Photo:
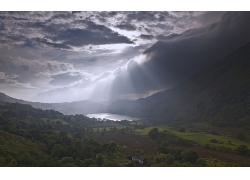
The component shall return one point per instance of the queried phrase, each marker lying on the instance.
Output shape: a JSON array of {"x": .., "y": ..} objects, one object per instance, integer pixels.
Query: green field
[
  {"x": 200, "y": 138},
  {"x": 203, "y": 139}
]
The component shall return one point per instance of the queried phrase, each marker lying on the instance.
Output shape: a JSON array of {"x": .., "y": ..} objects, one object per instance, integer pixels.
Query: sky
[{"x": 52, "y": 56}]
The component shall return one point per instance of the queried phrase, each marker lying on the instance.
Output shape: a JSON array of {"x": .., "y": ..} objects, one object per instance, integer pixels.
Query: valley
[{"x": 183, "y": 102}]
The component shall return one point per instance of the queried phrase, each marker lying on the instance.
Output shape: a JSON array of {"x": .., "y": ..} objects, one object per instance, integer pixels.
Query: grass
[
  {"x": 17, "y": 144},
  {"x": 204, "y": 139},
  {"x": 200, "y": 138}
]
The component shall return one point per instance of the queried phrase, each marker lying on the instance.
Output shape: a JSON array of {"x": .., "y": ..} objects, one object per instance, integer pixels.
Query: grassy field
[
  {"x": 200, "y": 138},
  {"x": 203, "y": 139}
]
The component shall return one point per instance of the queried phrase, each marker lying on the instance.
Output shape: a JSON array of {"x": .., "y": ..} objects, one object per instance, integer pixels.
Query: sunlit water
[{"x": 113, "y": 117}]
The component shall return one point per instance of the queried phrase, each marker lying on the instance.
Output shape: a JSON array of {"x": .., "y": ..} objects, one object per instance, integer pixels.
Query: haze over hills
[
  {"x": 68, "y": 108},
  {"x": 219, "y": 95}
]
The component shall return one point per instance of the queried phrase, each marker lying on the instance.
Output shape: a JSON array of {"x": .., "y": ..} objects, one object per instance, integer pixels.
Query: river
[{"x": 113, "y": 117}]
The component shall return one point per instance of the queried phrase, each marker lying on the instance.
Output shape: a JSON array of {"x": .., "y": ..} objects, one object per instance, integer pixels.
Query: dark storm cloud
[
  {"x": 196, "y": 49},
  {"x": 64, "y": 15},
  {"x": 1, "y": 26},
  {"x": 64, "y": 37},
  {"x": 108, "y": 14},
  {"x": 75, "y": 12},
  {"x": 9, "y": 40},
  {"x": 176, "y": 59},
  {"x": 146, "y": 36},
  {"x": 143, "y": 16},
  {"x": 103, "y": 16},
  {"x": 27, "y": 15},
  {"x": 45, "y": 42},
  {"x": 126, "y": 26},
  {"x": 62, "y": 30}
]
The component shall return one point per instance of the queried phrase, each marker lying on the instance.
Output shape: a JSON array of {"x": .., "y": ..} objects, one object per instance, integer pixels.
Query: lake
[{"x": 113, "y": 117}]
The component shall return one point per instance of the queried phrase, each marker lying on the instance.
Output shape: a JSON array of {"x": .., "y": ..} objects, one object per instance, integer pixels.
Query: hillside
[
  {"x": 218, "y": 95},
  {"x": 69, "y": 108}
]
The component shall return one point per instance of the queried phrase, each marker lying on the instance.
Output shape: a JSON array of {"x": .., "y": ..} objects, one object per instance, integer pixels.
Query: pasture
[{"x": 200, "y": 137}]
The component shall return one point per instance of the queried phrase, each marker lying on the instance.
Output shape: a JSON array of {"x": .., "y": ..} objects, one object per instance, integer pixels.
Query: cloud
[
  {"x": 161, "y": 37},
  {"x": 126, "y": 26},
  {"x": 66, "y": 79},
  {"x": 175, "y": 59},
  {"x": 63, "y": 37},
  {"x": 146, "y": 36},
  {"x": 80, "y": 37},
  {"x": 143, "y": 16},
  {"x": 10, "y": 80},
  {"x": 53, "y": 50},
  {"x": 62, "y": 30},
  {"x": 40, "y": 74}
]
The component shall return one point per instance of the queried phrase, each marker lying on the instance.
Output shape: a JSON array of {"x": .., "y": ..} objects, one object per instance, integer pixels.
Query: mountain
[
  {"x": 68, "y": 108},
  {"x": 219, "y": 95}
]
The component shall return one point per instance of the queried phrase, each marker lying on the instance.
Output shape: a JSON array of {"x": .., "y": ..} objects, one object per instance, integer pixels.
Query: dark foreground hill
[{"x": 218, "y": 95}]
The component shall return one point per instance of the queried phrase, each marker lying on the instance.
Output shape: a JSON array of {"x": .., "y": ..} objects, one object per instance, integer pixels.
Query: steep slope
[
  {"x": 219, "y": 94},
  {"x": 77, "y": 107}
]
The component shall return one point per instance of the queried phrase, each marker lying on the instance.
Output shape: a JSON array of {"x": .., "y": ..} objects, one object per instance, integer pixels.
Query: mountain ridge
[
  {"x": 216, "y": 94},
  {"x": 68, "y": 108}
]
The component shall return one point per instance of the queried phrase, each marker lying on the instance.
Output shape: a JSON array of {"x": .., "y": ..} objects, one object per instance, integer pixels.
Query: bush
[
  {"x": 242, "y": 150},
  {"x": 241, "y": 136},
  {"x": 189, "y": 156}
]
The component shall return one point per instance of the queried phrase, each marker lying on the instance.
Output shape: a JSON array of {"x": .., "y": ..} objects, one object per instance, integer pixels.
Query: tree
[
  {"x": 104, "y": 130},
  {"x": 67, "y": 162},
  {"x": 189, "y": 156},
  {"x": 242, "y": 150},
  {"x": 153, "y": 133},
  {"x": 182, "y": 129},
  {"x": 99, "y": 160},
  {"x": 87, "y": 162},
  {"x": 26, "y": 160},
  {"x": 58, "y": 151},
  {"x": 200, "y": 163},
  {"x": 110, "y": 164},
  {"x": 111, "y": 148},
  {"x": 241, "y": 136},
  {"x": 163, "y": 148},
  {"x": 160, "y": 158}
]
